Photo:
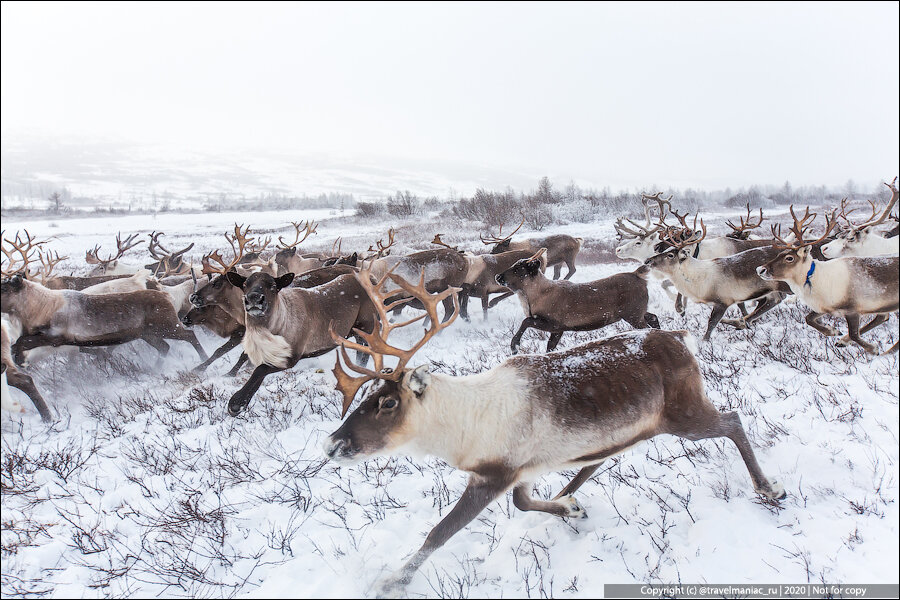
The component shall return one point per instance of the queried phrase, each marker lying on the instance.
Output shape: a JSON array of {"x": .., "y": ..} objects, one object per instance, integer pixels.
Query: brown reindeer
[
  {"x": 560, "y": 306},
  {"x": 742, "y": 231},
  {"x": 561, "y": 248},
  {"x": 69, "y": 318},
  {"x": 528, "y": 416},
  {"x": 285, "y": 325},
  {"x": 847, "y": 287}
]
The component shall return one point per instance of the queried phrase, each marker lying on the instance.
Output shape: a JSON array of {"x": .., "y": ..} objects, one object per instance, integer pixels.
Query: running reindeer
[
  {"x": 845, "y": 287},
  {"x": 561, "y": 248},
  {"x": 528, "y": 416}
]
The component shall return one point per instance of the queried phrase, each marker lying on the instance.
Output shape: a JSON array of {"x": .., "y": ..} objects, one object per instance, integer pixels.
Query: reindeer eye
[
  {"x": 388, "y": 403},
  {"x": 788, "y": 259},
  {"x": 637, "y": 243},
  {"x": 670, "y": 255}
]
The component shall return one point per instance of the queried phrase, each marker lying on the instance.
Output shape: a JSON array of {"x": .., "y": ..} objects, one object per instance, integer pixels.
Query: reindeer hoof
[
  {"x": 736, "y": 323},
  {"x": 576, "y": 511},
  {"x": 392, "y": 587},
  {"x": 842, "y": 343},
  {"x": 775, "y": 491}
]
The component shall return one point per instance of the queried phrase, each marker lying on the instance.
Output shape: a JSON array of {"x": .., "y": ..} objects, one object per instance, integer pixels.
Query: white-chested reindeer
[
  {"x": 861, "y": 239},
  {"x": 719, "y": 282},
  {"x": 529, "y": 415},
  {"x": 846, "y": 287}
]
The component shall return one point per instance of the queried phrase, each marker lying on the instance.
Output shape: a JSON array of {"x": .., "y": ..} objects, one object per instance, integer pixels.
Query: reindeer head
[
  {"x": 13, "y": 292},
  {"x": 501, "y": 244},
  {"x": 857, "y": 236},
  {"x": 385, "y": 419},
  {"x": 523, "y": 271},
  {"x": 638, "y": 241},
  {"x": 795, "y": 259},
  {"x": 676, "y": 245},
  {"x": 260, "y": 290}
]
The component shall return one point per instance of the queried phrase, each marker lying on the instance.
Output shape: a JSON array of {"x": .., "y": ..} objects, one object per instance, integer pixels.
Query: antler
[
  {"x": 800, "y": 227},
  {"x": 687, "y": 235},
  {"x": 378, "y": 345},
  {"x": 437, "y": 240},
  {"x": 746, "y": 226},
  {"x": 92, "y": 257},
  {"x": 238, "y": 241},
  {"x": 154, "y": 245},
  {"x": 336, "y": 246},
  {"x": 307, "y": 227},
  {"x": 259, "y": 247},
  {"x": 496, "y": 239},
  {"x": 381, "y": 248},
  {"x": 24, "y": 247},
  {"x": 48, "y": 263},
  {"x": 890, "y": 206}
]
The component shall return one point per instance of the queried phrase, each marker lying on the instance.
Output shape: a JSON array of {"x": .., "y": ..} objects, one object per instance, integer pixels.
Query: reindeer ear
[
  {"x": 802, "y": 252},
  {"x": 235, "y": 279},
  {"x": 284, "y": 281},
  {"x": 418, "y": 380}
]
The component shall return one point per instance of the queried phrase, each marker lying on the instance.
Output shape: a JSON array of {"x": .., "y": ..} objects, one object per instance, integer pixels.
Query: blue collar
[{"x": 812, "y": 269}]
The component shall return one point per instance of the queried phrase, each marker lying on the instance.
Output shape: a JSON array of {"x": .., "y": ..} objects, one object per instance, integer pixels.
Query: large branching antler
[
  {"x": 381, "y": 249},
  {"x": 377, "y": 345},
  {"x": 648, "y": 228},
  {"x": 25, "y": 247},
  {"x": 307, "y": 228},
  {"x": 687, "y": 235},
  {"x": 48, "y": 263},
  {"x": 497, "y": 239},
  {"x": 742, "y": 231},
  {"x": 238, "y": 241},
  {"x": 167, "y": 260},
  {"x": 799, "y": 229},
  {"x": 92, "y": 257},
  {"x": 439, "y": 242}
]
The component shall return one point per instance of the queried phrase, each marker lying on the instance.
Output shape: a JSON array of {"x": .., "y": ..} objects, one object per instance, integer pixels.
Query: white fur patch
[{"x": 264, "y": 347}]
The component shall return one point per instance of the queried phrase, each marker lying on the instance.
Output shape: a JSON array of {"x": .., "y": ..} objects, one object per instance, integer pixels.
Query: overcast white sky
[{"x": 687, "y": 94}]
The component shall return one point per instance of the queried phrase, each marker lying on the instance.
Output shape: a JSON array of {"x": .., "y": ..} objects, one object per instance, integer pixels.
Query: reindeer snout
[
  {"x": 762, "y": 272},
  {"x": 499, "y": 278},
  {"x": 332, "y": 447},
  {"x": 196, "y": 300}
]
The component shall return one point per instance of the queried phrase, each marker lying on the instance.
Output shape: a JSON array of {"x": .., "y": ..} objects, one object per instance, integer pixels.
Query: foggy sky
[{"x": 680, "y": 94}]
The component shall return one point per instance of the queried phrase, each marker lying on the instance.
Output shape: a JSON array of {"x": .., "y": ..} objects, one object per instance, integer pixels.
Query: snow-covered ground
[{"x": 146, "y": 487}]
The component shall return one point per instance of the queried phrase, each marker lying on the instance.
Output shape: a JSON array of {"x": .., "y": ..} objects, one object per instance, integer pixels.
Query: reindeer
[
  {"x": 845, "y": 287},
  {"x": 481, "y": 277},
  {"x": 167, "y": 262},
  {"x": 18, "y": 379},
  {"x": 111, "y": 265},
  {"x": 528, "y": 416},
  {"x": 742, "y": 231},
  {"x": 561, "y": 248},
  {"x": 285, "y": 325},
  {"x": 222, "y": 324},
  {"x": 860, "y": 239},
  {"x": 69, "y": 318},
  {"x": 720, "y": 282},
  {"x": 287, "y": 257},
  {"x": 560, "y": 306}
]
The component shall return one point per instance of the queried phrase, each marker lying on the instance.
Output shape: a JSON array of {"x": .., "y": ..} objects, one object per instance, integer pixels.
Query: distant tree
[{"x": 56, "y": 202}]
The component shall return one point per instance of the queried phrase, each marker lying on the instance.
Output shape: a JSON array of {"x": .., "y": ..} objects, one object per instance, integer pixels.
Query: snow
[{"x": 145, "y": 486}]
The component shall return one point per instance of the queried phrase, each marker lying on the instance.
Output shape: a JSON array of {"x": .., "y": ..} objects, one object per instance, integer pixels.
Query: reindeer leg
[
  {"x": 536, "y": 322},
  {"x": 484, "y": 304},
  {"x": 240, "y": 362},
  {"x": 499, "y": 298},
  {"x": 680, "y": 304},
  {"x": 478, "y": 494},
  {"x": 557, "y": 269},
  {"x": 853, "y": 333},
  {"x": 21, "y": 380},
  {"x": 463, "y": 307},
  {"x": 875, "y": 322},
  {"x": 186, "y": 335},
  {"x": 161, "y": 346},
  {"x": 221, "y": 351},
  {"x": 568, "y": 506},
  {"x": 242, "y": 397},
  {"x": 583, "y": 475},
  {"x": 555, "y": 336},
  {"x": 713, "y": 424},
  {"x": 571, "y": 267},
  {"x": 362, "y": 359},
  {"x": 715, "y": 316},
  {"x": 812, "y": 319}
]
